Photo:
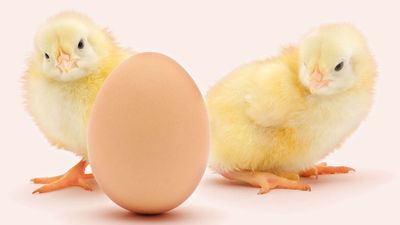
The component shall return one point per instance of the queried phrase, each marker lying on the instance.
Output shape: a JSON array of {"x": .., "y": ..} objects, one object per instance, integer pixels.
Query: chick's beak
[
  {"x": 64, "y": 61},
  {"x": 317, "y": 79}
]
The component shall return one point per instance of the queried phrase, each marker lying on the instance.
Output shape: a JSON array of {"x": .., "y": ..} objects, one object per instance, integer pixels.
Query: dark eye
[
  {"x": 81, "y": 44},
  {"x": 46, "y": 56},
  {"x": 339, "y": 66}
]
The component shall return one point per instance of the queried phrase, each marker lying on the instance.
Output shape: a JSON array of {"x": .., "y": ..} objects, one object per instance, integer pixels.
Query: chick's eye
[
  {"x": 81, "y": 44},
  {"x": 339, "y": 66},
  {"x": 46, "y": 56}
]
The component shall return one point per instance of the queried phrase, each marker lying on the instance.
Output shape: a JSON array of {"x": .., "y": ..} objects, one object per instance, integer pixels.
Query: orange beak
[
  {"x": 317, "y": 79},
  {"x": 64, "y": 61}
]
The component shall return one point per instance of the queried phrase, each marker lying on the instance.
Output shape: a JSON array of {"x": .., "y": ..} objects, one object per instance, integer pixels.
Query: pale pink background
[{"x": 209, "y": 39}]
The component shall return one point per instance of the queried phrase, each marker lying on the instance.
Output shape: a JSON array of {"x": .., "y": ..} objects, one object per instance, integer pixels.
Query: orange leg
[
  {"x": 266, "y": 181},
  {"x": 323, "y": 168},
  {"x": 74, "y": 177}
]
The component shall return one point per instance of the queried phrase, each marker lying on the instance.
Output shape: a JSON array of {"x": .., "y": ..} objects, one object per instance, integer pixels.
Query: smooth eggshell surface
[{"x": 148, "y": 134}]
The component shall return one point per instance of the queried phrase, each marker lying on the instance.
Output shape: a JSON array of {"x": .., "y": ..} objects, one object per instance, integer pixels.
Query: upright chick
[
  {"x": 72, "y": 58},
  {"x": 272, "y": 120}
]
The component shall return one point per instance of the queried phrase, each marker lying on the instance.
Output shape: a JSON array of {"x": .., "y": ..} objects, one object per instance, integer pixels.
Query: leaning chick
[{"x": 273, "y": 120}]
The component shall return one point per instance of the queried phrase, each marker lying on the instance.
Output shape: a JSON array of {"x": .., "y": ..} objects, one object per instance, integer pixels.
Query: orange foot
[
  {"x": 322, "y": 169},
  {"x": 74, "y": 177},
  {"x": 266, "y": 181}
]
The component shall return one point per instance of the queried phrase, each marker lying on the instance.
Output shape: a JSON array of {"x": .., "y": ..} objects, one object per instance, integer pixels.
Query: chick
[
  {"x": 71, "y": 60},
  {"x": 272, "y": 120}
]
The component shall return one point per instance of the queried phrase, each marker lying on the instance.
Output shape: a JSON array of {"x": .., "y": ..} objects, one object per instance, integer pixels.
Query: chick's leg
[
  {"x": 323, "y": 168},
  {"x": 74, "y": 177},
  {"x": 48, "y": 180},
  {"x": 266, "y": 181}
]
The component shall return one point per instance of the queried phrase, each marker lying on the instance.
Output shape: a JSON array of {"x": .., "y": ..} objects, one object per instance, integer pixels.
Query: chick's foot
[
  {"x": 74, "y": 177},
  {"x": 323, "y": 168},
  {"x": 266, "y": 181}
]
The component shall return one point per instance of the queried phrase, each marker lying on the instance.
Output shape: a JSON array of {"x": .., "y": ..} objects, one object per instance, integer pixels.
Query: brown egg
[{"x": 149, "y": 135}]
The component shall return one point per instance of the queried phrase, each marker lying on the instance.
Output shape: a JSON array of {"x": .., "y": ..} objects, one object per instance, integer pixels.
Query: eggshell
[{"x": 148, "y": 134}]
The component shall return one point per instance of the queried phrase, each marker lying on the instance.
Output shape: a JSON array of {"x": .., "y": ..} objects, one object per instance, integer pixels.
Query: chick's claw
[
  {"x": 266, "y": 181},
  {"x": 48, "y": 180},
  {"x": 45, "y": 180},
  {"x": 74, "y": 177},
  {"x": 63, "y": 183},
  {"x": 323, "y": 169}
]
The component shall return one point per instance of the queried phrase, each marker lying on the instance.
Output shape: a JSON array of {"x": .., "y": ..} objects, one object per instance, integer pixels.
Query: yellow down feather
[
  {"x": 263, "y": 118},
  {"x": 61, "y": 109}
]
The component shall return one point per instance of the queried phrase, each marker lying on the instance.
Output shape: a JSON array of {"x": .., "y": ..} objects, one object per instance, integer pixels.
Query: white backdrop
[{"x": 209, "y": 39}]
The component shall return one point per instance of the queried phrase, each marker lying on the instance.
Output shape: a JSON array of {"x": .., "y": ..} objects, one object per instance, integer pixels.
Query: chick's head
[
  {"x": 70, "y": 46},
  {"x": 333, "y": 59}
]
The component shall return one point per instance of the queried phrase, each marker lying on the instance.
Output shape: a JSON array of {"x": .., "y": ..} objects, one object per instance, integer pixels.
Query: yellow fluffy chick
[
  {"x": 272, "y": 120},
  {"x": 72, "y": 58}
]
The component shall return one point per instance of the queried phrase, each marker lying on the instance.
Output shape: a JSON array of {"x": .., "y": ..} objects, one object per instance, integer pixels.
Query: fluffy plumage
[
  {"x": 60, "y": 97},
  {"x": 72, "y": 58},
  {"x": 283, "y": 114}
]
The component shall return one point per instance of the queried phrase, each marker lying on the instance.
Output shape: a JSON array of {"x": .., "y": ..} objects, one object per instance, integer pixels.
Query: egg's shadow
[
  {"x": 172, "y": 216},
  {"x": 180, "y": 215}
]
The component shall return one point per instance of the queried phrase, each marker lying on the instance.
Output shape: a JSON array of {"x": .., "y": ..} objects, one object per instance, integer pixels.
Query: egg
[{"x": 148, "y": 135}]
